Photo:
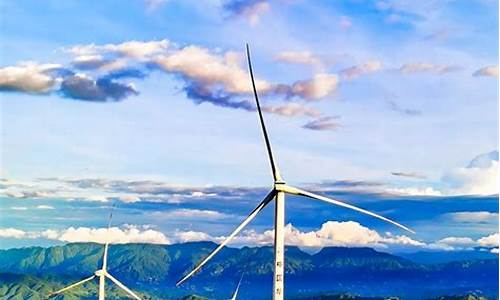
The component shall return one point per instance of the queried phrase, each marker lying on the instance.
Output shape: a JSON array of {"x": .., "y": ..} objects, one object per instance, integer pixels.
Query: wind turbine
[
  {"x": 277, "y": 193},
  {"x": 102, "y": 274}
]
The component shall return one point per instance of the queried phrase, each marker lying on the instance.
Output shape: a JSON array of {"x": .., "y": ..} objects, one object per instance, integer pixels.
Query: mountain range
[{"x": 152, "y": 270}]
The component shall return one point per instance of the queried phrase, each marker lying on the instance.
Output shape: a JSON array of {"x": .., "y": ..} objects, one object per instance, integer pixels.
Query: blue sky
[{"x": 388, "y": 104}]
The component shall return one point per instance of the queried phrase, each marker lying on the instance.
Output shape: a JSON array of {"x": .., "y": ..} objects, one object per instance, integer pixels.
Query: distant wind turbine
[
  {"x": 277, "y": 193},
  {"x": 102, "y": 274}
]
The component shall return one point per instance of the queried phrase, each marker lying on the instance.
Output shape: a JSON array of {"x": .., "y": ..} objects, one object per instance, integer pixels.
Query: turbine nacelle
[{"x": 100, "y": 273}]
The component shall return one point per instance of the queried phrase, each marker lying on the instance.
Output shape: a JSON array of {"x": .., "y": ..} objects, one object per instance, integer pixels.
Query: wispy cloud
[
  {"x": 251, "y": 10},
  {"x": 409, "y": 175},
  {"x": 423, "y": 67},
  {"x": 324, "y": 123},
  {"x": 355, "y": 71},
  {"x": 490, "y": 71},
  {"x": 299, "y": 57},
  {"x": 405, "y": 111},
  {"x": 152, "y": 5},
  {"x": 472, "y": 217},
  {"x": 185, "y": 213}
]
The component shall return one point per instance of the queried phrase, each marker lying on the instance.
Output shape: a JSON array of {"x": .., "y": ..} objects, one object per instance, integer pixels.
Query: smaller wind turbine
[
  {"x": 102, "y": 274},
  {"x": 235, "y": 295}
]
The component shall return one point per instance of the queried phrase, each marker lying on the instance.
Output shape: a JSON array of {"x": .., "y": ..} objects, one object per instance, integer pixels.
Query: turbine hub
[
  {"x": 280, "y": 186},
  {"x": 100, "y": 272}
]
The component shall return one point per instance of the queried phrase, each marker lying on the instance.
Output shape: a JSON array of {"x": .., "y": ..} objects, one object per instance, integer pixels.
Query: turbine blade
[
  {"x": 250, "y": 217},
  {"x": 296, "y": 191},
  {"x": 235, "y": 295},
  {"x": 71, "y": 286},
  {"x": 276, "y": 174},
  {"x": 106, "y": 245},
  {"x": 122, "y": 286}
]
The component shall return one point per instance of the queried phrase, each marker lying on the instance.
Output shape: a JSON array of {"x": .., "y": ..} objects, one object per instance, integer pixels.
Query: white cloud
[
  {"x": 320, "y": 86},
  {"x": 365, "y": 68},
  {"x": 129, "y": 234},
  {"x": 462, "y": 243},
  {"x": 44, "y": 207},
  {"x": 217, "y": 69},
  {"x": 141, "y": 50},
  {"x": 490, "y": 71},
  {"x": 299, "y": 57},
  {"x": 29, "y": 77},
  {"x": 331, "y": 233},
  {"x": 414, "y": 191},
  {"x": 292, "y": 110},
  {"x": 491, "y": 240},
  {"x": 194, "y": 236},
  {"x": 129, "y": 198},
  {"x": 480, "y": 177},
  {"x": 250, "y": 10},
  {"x": 473, "y": 217},
  {"x": 19, "y": 208},
  {"x": 427, "y": 68},
  {"x": 185, "y": 213},
  {"x": 97, "y": 198},
  {"x": 12, "y": 233}
]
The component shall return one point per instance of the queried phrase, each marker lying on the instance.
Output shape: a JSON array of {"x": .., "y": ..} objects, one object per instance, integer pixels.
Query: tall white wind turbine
[
  {"x": 102, "y": 274},
  {"x": 277, "y": 193}
]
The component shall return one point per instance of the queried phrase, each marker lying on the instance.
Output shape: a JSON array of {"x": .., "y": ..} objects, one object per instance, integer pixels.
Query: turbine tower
[
  {"x": 277, "y": 193},
  {"x": 102, "y": 274}
]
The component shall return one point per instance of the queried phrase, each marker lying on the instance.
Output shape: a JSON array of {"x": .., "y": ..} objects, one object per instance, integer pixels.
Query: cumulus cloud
[
  {"x": 83, "y": 87},
  {"x": 331, "y": 233},
  {"x": 251, "y": 10},
  {"x": 208, "y": 75},
  {"x": 115, "y": 235},
  {"x": 222, "y": 70},
  {"x": 480, "y": 177},
  {"x": 12, "y": 233},
  {"x": 427, "y": 68},
  {"x": 323, "y": 124},
  {"x": 489, "y": 71},
  {"x": 491, "y": 240},
  {"x": 464, "y": 243},
  {"x": 29, "y": 77},
  {"x": 299, "y": 57},
  {"x": 355, "y": 71},
  {"x": 320, "y": 86}
]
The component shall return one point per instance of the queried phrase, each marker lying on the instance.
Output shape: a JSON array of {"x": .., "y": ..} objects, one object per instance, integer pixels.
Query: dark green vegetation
[{"x": 152, "y": 270}]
